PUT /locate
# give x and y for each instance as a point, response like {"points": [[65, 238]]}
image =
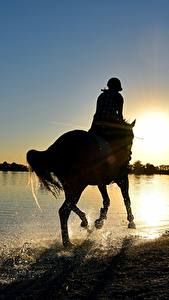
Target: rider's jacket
{"points": [[109, 107]]}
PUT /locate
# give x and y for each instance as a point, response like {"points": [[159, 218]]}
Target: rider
{"points": [[109, 108]]}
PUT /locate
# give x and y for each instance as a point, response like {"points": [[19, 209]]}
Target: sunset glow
{"points": [[152, 132], [52, 71]]}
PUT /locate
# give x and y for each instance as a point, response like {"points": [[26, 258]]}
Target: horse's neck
{"points": [[102, 143]]}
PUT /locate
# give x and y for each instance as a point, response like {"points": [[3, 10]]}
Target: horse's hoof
{"points": [[132, 225], [89, 231], [84, 224], [68, 245], [99, 224]]}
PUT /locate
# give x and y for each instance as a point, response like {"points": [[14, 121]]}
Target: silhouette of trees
{"points": [[138, 168], [12, 167], [148, 169]]}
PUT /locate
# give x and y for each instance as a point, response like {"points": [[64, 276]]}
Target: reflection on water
{"points": [[21, 221], [150, 202], [152, 210], [30, 241]]}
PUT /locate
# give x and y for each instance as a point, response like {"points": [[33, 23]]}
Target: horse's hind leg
{"points": [[123, 183], [103, 211], [81, 215], [64, 213]]}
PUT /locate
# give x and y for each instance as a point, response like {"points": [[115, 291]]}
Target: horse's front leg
{"points": [[103, 211], [123, 183]]}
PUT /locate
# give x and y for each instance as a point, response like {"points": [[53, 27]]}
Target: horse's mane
{"points": [[116, 124]]}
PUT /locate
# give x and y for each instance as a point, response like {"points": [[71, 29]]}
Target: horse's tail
{"points": [[37, 161], [34, 185], [51, 183]]}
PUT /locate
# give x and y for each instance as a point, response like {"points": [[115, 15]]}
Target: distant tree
{"points": [[4, 166], [138, 168], [150, 169]]}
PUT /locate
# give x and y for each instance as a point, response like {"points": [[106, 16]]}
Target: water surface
{"points": [[30, 240], [22, 221]]}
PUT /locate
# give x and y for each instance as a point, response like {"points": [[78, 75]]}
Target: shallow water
{"points": [[25, 231], [22, 221]]}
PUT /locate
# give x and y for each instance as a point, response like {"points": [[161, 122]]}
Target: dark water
{"points": [[26, 232]]}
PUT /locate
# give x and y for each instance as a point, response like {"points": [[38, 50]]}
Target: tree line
{"points": [[14, 167], [136, 168], [148, 169]]}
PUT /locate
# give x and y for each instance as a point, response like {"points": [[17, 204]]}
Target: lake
{"points": [[31, 251], [30, 239], [22, 221]]}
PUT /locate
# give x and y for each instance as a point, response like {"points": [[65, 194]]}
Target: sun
{"points": [[152, 130]]}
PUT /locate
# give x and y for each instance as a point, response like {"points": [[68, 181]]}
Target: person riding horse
{"points": [[109, 109], [79, 158]]}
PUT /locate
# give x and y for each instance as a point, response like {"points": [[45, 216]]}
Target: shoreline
{"points": [[139, 270]]}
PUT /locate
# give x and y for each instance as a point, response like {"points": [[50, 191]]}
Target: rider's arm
{"points": [[120, 107]]}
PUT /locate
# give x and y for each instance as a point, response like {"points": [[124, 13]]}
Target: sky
{"points": [[56, 56]]}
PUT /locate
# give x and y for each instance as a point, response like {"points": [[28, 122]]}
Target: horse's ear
{"points": [[133, 123]]}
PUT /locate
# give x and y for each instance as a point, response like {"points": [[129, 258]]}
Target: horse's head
{"points": [[130, 137], [124, 130], [130, 131], [125, 135]]}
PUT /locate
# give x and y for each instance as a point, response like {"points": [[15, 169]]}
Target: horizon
{"points": [[56, 57], [130, 164]]}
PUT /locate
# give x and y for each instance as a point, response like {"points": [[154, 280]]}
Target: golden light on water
{"points": [[152, 209], [150, 204]]}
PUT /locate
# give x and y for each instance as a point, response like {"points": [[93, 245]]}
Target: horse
{"points": [[80, 158]]}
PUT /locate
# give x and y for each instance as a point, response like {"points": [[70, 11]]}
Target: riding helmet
{"points": [[115, 84]]}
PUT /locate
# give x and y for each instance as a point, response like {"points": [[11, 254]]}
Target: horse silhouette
{"points": [[79, 158]]}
